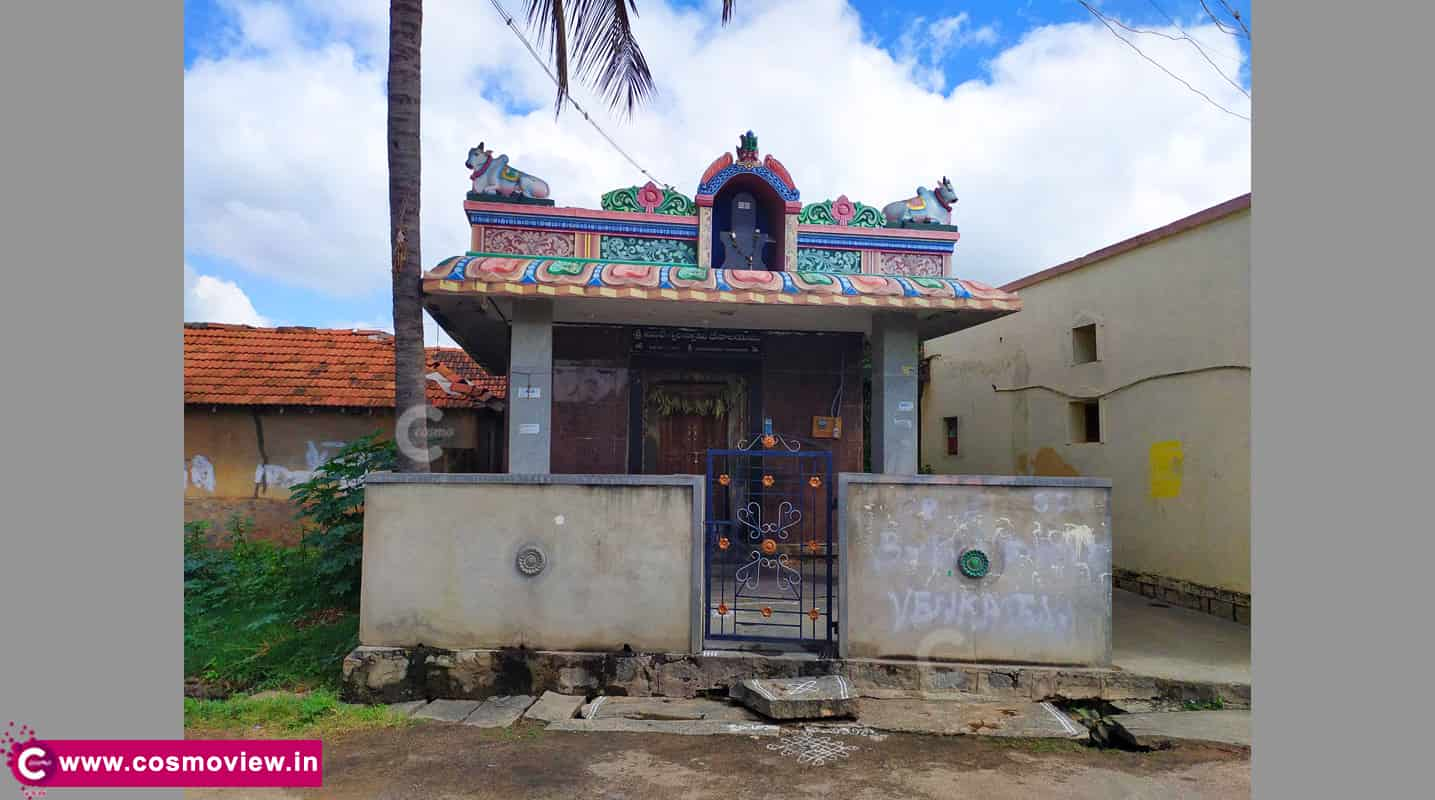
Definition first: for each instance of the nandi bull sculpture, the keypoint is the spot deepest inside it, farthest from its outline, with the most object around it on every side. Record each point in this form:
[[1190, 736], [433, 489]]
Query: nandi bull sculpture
[[930, 207], [493, 176]]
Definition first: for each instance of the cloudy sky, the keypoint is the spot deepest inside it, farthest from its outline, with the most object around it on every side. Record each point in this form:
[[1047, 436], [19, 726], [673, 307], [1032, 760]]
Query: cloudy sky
[[1059, 137]]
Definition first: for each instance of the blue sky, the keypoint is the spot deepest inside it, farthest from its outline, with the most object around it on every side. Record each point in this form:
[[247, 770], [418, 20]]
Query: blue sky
[[276, 234]]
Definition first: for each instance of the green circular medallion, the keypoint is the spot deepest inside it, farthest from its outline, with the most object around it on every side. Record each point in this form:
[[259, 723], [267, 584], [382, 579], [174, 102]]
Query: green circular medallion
[[974, 563]]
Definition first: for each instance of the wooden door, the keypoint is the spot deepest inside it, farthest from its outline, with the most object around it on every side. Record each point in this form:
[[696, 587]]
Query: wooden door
[[683, 442]]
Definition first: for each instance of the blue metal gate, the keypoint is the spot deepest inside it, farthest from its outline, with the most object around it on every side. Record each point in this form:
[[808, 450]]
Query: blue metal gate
[[770, 562]]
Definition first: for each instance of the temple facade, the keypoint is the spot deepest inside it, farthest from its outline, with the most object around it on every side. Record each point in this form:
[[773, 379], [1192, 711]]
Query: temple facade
[[639, 335]]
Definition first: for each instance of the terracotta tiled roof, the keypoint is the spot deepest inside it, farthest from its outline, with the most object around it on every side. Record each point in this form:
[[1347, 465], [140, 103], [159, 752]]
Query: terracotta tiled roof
[[242, 365], [458, 361]]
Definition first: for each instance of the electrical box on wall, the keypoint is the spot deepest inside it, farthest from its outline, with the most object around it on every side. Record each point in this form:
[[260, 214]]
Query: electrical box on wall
[[827, 427]]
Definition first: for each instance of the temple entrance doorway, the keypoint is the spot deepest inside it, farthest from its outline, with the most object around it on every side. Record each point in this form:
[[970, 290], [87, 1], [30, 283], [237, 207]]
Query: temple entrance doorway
[[685, 414]]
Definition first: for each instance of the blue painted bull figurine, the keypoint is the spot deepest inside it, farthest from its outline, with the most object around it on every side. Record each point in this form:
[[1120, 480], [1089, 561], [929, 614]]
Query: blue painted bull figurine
[[493, 176], [930, 207]]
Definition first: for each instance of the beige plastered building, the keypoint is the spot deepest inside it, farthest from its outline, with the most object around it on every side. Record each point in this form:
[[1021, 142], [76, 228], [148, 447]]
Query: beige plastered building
[[1133, 364]]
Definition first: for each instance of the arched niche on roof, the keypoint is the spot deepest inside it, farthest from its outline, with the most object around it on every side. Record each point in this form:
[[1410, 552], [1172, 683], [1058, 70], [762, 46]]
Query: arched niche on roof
[[768, 185], [770, 216]]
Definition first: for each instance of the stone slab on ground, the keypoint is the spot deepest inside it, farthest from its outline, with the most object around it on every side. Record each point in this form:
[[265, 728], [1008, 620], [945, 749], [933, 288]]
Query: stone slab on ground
[[446, 710], [797, 698], [1230, 727], [408, 709], [692, 727], [499, 712], [1024, 719], [553, 706], [669, 709]]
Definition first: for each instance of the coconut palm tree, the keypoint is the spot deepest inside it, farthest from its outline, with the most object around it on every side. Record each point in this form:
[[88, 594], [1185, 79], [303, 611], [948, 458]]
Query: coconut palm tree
[[598, 35]]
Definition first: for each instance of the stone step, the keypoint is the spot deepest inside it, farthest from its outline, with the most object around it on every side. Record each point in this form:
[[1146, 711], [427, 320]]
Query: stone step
[[499, 712], [552, 707], [797, 698], [692, 727]]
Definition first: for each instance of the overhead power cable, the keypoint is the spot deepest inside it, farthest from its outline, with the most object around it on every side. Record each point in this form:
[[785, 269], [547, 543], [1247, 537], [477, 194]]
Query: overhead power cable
[[508, 20], [1158, 65]]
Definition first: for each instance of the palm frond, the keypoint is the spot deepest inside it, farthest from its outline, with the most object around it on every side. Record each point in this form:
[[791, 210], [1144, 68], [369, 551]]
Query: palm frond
[[606, 54], [549, 19]]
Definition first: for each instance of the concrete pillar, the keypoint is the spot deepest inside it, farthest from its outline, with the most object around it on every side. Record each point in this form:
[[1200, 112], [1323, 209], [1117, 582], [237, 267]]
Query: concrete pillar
[[530, 387], [894, 394]]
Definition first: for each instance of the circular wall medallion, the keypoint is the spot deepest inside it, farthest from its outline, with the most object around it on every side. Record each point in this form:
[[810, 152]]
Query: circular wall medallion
[[531, 561], [974, 563]]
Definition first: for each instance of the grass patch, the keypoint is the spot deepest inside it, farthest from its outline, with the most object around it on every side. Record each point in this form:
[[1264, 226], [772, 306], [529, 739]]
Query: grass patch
[[314, 716], [223, 648], [1216, 704], [1039, 745]]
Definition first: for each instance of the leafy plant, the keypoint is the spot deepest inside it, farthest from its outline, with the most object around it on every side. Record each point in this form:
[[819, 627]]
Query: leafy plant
[[331, 506]]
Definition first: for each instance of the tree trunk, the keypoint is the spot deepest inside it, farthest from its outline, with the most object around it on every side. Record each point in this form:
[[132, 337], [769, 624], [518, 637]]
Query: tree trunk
[[410, 403]]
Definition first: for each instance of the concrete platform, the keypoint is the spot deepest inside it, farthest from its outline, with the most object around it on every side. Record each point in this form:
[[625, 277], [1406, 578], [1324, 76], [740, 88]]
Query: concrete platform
[[1160, 656], [1029, 720], [1177, 644], [1231, 727]]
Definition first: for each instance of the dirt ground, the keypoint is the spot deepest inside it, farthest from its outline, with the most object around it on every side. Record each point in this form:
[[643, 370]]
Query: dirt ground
[[446, 762]]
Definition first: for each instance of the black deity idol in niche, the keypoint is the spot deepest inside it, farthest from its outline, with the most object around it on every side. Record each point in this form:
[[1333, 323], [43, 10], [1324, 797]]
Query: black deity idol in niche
[[743, 245]]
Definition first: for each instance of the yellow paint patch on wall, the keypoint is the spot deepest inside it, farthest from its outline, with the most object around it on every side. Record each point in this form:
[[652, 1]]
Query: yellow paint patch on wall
[[1166, 467]]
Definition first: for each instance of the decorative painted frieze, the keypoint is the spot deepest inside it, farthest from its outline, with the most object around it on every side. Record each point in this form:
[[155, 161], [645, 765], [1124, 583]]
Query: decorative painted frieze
[[650, 199], [635, 248], [922, 264], [841, 212], [814, 259], [528, 242]]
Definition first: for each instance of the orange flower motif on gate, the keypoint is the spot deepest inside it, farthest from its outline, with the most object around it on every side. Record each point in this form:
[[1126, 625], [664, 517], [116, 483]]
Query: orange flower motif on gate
[[722, 609], [769, 441], [814, 614], [724, 479], [815, 481], [767, 611], [813, 545], [768, 481], [723, 543], [769, 546]]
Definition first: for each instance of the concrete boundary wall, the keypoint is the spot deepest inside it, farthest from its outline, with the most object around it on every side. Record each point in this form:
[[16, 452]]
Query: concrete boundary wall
[[449, 562], [1044, 599]]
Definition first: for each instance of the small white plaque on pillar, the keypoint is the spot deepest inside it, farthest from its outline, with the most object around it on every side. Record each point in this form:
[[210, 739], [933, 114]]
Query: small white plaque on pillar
[[530, 393], [528, 427], [905, 405]]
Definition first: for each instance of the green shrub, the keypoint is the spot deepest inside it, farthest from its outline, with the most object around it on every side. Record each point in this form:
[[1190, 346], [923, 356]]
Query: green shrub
[[259, 614], [331, 504]]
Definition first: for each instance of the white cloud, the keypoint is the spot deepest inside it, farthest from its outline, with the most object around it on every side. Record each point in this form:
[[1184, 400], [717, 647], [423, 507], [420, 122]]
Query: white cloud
[[1072, 141], [924, 46], [211, 299]]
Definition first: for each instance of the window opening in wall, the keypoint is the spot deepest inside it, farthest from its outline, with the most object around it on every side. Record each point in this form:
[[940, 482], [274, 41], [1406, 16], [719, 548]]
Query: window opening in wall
[[1086, 421], [1083, 344], [950, 423]]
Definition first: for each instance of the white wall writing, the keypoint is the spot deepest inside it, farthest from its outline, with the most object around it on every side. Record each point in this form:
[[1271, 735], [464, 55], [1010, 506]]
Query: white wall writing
[[978, 611]]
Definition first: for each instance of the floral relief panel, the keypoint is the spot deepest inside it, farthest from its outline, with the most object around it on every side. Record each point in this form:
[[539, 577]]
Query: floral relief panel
[[921, 264], [640, 249], [528, 243]]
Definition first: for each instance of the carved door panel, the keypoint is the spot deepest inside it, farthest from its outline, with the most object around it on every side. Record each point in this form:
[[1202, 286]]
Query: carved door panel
[[683, 442]]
